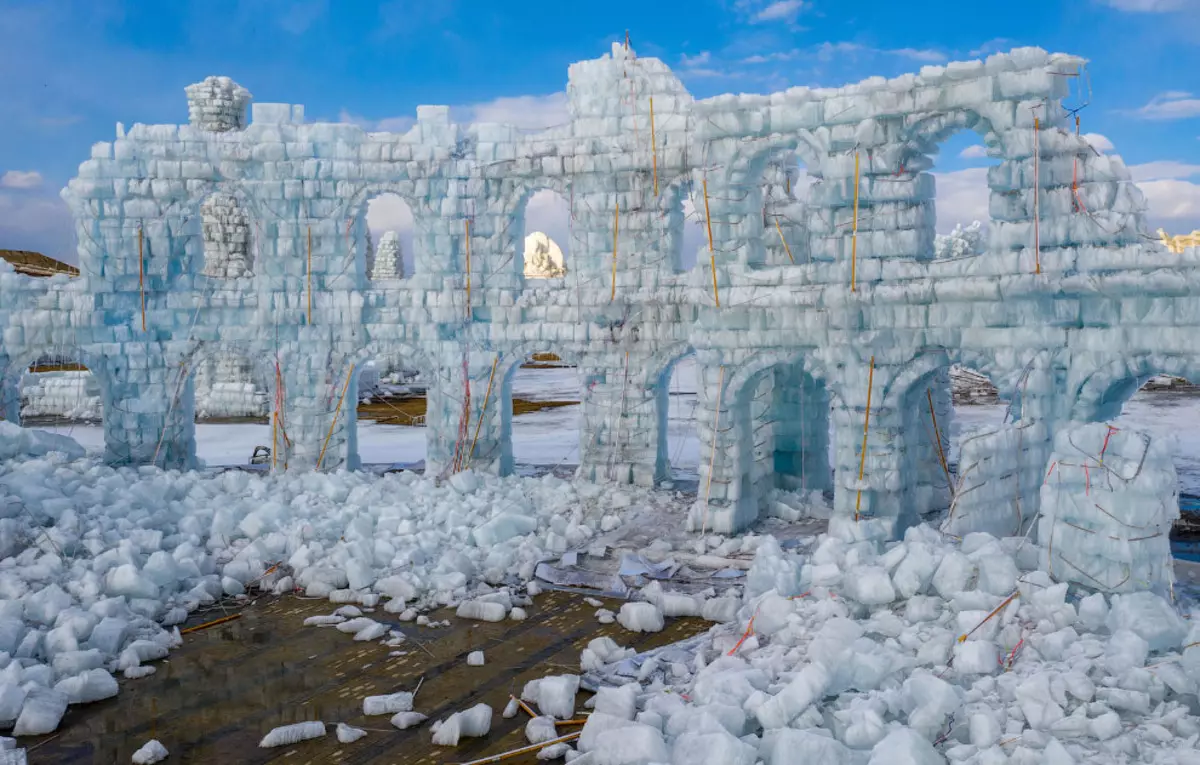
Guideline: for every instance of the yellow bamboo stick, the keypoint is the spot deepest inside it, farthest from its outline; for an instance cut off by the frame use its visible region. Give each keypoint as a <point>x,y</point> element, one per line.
<point>310,276</point>
<point>616,230</point>
<point>524,750</point>
<point>142,277</point>
<point>712,254</point>
<point>937,434</point>
<point>486,395</point>
<point>785,244</point>
<point>653,146</point>
<point>854,233</point>
<point>862,461</point>
<point>712,457</point>
<point>468,229</point>
<point>336,413</point>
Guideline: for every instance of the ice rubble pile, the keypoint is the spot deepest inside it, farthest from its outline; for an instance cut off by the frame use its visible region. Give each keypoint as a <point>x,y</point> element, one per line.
<point>1108,505</point>
<point>856,655</point>
<point>97,563</point>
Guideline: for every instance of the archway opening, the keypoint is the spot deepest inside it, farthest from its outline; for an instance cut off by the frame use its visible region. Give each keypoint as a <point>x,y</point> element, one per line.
<point>391,413</point>
<point>963,197</point>
<point>61,395</point>
<point>233,405</point>
<point>784,190</point>
<point>684,226</point>
<point>540,416</point>
<point>784,441</point>
<point>678,461</point>
<point>546,236</point>
<point>386,239</point>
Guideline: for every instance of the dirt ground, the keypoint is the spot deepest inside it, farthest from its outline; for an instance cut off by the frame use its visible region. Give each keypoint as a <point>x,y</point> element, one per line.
<point>213,699</point>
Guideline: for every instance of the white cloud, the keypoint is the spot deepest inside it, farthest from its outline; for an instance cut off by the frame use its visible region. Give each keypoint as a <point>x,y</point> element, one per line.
<point>1099,142</point>
<point>927,55</point>
<point>526,112</point>
<point>21,179</point>
<point>976,151</point>
<point>1171,105</point>
<point>1151,6</point>
<point>38,222</point>
<point>1162,170</point>
<point>962,197</point>
<point>781,10</point>
<point>700,59</point>
<point>1173,202</point>
<point>783,55</point>
<point>995,45</point>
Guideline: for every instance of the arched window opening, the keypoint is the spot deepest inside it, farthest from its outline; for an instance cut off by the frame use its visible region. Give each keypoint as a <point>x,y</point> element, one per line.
<point>391,414</point>
<point>678,444</point>
<point>546,237</point>
<point>387,239</point>
<point>232,410</point>
<point>963,197</point>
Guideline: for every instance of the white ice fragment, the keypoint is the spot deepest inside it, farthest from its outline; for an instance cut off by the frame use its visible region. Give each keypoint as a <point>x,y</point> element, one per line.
<point>641,617</point>
<point>348,735</point>
<point>388,704</point>
<point>870,585</point>
<point>785,746</point>
<point>481,611</point>
<point>903,746</point>
<point>406,720</point>
<point>510,709</point>
<point>89,686</point>
<point>42,712</point>
<point>372,631</point>
<point>517,614</point>
<point>554,751</point>
<point>554,695</point>
<point>471,723</point>
<point>805,688</point>
<point>151,752</point>
<point>540,729</point>
<point>976,657</point>
<point>475,659</point>
<point>291,734</point>
<point>326,620</point>
<point>713,748</point>
<point>630,745</point>
<point>1150,617</point>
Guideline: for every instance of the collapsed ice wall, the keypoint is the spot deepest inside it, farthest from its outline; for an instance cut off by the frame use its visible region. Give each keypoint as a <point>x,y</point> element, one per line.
<point>789,323</point>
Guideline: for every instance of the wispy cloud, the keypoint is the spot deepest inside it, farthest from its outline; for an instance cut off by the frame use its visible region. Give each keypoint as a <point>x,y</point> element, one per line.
<point>1171,105</point>
<point>525,112</point>
<point>781,10</point>
<point>995,45</point>
<point>975,151</point>
<point>1151,6</point>
<point>828,51</point>
<point>21,179</point>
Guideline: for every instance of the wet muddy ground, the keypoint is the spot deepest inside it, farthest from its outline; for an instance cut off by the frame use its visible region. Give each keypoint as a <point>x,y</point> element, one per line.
<point>213,699</point>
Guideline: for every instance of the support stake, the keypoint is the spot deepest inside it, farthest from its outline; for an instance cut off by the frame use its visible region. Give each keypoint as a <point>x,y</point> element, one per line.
<point>712,457</point>
<point>310,276</point>
<point>937,434</point>
<point>486,395</point>
<point>653,146</point>
<point>862,460</point>
<point>616,231</point>
<point>854,234</point>
<point>467,224</point>
<point>785,244</point>
<point>712,254</point>
<point>1037,182</point>
<point>336,413</point>
<point>142,276</point>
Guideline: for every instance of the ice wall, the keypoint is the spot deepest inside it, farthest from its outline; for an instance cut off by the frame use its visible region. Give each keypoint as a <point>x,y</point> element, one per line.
<point>1066,305</point>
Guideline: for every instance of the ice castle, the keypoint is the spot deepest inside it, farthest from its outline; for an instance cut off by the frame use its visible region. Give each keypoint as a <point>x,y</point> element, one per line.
<point>243,233</point>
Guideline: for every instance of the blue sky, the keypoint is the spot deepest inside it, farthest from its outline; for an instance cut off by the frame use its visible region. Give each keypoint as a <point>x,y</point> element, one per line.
<point>70,70</point>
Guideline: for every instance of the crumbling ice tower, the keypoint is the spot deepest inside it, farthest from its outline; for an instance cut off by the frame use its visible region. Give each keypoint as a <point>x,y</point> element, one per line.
<point>253,242</point>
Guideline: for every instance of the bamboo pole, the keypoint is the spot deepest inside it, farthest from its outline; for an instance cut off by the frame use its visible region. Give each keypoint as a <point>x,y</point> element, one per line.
<point>937,434</point>
<point>142,276</point>
<point>1037,182</point>
<point>486,395</point>
<point>712,457</point>
<point>653,146</point>
<point>862,461</point>
<point>854,233</point>
<point>712,254</point>
<point>468,235</point>
<point>336,413</point>
<point>785,244</point>
<point>310,276</point>
<point>616,231</point>
<point>524,750</point>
